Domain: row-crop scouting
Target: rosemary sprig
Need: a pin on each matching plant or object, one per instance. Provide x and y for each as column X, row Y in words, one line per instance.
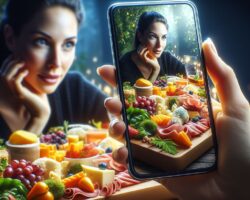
column 166, row 145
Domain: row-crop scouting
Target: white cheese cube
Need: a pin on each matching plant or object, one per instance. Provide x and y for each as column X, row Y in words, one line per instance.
column 101, row 176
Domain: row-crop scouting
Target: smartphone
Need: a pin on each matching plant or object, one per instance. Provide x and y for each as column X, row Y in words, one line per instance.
column 164, row 88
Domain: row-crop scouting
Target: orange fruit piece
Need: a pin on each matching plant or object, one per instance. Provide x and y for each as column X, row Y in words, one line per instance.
column 141, row 82
column 86, row 184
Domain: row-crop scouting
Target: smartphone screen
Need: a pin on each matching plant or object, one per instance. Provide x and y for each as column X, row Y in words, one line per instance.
column 163, row 87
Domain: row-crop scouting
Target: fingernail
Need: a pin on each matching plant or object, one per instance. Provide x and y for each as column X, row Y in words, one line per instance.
column 26, row 72
column 97, row 70
column 113, row 122
column 117, row 155
column 107, row 99
column 211, row 43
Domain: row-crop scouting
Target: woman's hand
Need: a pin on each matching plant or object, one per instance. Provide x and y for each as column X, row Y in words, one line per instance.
column 13, row 73
column 231, row 179
column 149, row 61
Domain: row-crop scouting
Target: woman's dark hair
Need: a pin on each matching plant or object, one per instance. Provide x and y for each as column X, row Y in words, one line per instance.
column 145, row 20
column 20, row 12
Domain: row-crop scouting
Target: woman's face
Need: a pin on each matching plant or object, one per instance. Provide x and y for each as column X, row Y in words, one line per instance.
column 47, row 45
column 155, row 38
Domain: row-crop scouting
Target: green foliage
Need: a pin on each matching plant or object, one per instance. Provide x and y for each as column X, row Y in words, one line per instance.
column 182, row 33
column 166, row 145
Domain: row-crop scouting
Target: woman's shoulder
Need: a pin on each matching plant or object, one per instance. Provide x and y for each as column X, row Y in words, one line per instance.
column 126, row 58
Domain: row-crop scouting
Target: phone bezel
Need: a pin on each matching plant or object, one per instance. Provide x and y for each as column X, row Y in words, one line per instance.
column 114, row 47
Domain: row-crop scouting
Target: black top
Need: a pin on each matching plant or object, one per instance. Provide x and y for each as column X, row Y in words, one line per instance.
column 75, row 100
column 169, row 65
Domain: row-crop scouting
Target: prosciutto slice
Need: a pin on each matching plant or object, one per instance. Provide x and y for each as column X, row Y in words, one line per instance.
column 196, row 129
column 78, row 194
column 167, row 133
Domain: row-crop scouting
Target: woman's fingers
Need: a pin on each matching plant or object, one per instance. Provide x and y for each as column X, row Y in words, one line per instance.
column 117, row 129
column 121, row 155
column 107, row 73
column 19, row 88
column 231, row 97
column 13, row 71
column 113, row 105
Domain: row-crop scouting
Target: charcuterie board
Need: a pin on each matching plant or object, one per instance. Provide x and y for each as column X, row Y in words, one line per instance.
column 165, row 161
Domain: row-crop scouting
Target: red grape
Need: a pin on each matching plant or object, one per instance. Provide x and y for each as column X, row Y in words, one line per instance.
column 32, row 177
column 39, row 172
column 14, row 164
column 22, row 164
column 26, row 182
column 23, row 160
column 27, row 170
column 38, row 178
column 8, row 172
column 20, row 177
column 19, row 171
column 145, row 103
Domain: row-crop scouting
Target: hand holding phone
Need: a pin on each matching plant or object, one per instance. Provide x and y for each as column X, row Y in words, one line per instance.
column 224, row 182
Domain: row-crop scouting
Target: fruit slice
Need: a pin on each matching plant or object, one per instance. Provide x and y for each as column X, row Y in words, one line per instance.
column 23, row 137
column 86, row 184
column 141, row 82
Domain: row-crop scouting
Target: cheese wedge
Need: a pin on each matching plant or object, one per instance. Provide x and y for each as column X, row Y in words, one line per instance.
column 23, row 137
column 102, row 177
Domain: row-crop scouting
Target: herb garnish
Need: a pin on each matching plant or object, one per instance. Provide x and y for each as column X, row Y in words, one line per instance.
column 166, row 145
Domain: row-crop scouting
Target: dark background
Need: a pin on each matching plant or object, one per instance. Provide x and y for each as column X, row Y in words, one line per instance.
column 226, row 22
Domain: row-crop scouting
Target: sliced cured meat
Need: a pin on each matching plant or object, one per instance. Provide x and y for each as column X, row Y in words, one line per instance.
column 170, row 131
column 196, row 129
column 78, row 194
column 125, row 179
column 193, row 104
column 108, row 159
column 110, row 189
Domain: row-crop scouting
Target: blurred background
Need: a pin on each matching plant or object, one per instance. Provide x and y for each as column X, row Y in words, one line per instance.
column 225, row 21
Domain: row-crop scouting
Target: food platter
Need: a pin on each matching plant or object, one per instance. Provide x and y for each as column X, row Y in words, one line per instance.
column 165, row 161
column 169, row 123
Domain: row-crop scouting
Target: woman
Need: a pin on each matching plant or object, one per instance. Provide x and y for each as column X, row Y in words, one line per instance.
column 38, row 40
column 149, row 60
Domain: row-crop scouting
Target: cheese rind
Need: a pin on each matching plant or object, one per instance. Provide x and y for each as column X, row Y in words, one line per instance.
column 102, row 177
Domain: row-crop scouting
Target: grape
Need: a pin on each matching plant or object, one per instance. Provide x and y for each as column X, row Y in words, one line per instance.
column 145, row 103
column 23, row 160
column 160, row 83
column 38, row 178
column 14, row 164
column 8, row 172
column 26, row 182
column 108, row 150
column 35, row 167
column 27, row 170
column 39, row 172
column 22, row 164
column 20, row 177
column 19, row 171
column 31, row 177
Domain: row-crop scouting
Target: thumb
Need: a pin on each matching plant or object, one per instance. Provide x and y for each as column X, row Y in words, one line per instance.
column 225, row 81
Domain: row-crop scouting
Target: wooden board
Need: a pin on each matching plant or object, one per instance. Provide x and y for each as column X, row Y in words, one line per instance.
column 165, row 161
column 147, row 191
